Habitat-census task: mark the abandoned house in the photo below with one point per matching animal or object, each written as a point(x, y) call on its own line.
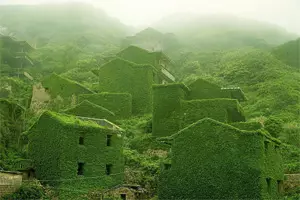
point(71, 152)
point(213, 160)
point(118, 103)
point(10, 181)
point(121, 76)
point(202, 89)
point(57, 89)
point(174, 109)
point(158, 60)
point(91, 110)
point(15, 54)
point(125, 192)
point(12, 117)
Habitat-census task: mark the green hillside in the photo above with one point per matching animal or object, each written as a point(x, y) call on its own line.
point(289, 53)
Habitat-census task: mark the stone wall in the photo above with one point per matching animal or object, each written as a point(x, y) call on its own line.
point(9, 182)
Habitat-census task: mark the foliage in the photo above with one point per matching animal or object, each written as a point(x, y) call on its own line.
point(118, 103)
point(289, 53)
point(247, 126)
point(88, 109)
point(205, 154)
point(223, 110)
point(274, 126)
point(26, 191)
point(55, 150)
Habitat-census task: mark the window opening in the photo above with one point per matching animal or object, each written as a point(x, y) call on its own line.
point(108, 169)
point(80, 169)
point(108, 140)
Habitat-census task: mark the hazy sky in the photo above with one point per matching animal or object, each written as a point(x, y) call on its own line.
point(285, 13)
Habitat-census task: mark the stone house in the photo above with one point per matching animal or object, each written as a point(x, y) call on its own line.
point(213, 160)
point(72, 153)
point(174, 109)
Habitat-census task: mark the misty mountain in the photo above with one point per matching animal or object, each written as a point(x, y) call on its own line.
point(222, 31)
point(152, 40)
point(61, 23)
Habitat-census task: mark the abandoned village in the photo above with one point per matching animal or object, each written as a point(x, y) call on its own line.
point(214, 153)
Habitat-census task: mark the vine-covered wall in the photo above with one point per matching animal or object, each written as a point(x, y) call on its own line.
point(212, 160)
point(57, 85)
point(202, 89)
point(166, 113)
point(120, 76)
point(223, 110)
point(118, 103)
point(88, 109)
point(54, 146)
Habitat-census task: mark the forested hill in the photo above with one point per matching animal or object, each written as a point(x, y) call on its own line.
point(289, 53)
point(222, 31)
point(62, 23)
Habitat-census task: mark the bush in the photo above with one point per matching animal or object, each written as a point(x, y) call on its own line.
point(26, 191)
point(274, 126)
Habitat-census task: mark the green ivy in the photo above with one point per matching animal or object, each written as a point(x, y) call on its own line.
point(55, 151)
point(212, 160)
point(118, 103)
point(88, 109)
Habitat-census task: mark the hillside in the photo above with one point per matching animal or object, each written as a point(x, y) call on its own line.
point(289, 53)
point(152, 40)
point(61, 23)
point(222, 31)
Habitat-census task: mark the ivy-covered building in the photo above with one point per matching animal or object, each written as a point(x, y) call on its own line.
point(121, 76)
point(14, 55)
point(202, 89)
point(157, 59)
point(214, 160)
point(118, 103)
point(12, 117)
point(91, 110)
point(72, 155)
point(55, 88)
point(176, 106)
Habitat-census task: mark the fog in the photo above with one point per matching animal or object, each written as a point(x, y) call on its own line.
point(284, 13)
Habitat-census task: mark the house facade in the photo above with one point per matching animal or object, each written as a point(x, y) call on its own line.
point(73, 154)
point(174, 109)
point(213, 160)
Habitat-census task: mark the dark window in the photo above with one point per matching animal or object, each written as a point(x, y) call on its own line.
point(80, 168)
point(279, 186)
point(167, 166)
point(123, 196)
point(268, 185)
point(81, 140)
point(266, 145)
point(108, 169)
point(108, 140)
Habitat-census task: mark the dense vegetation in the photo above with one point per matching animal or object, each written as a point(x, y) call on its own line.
point(74, 40)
